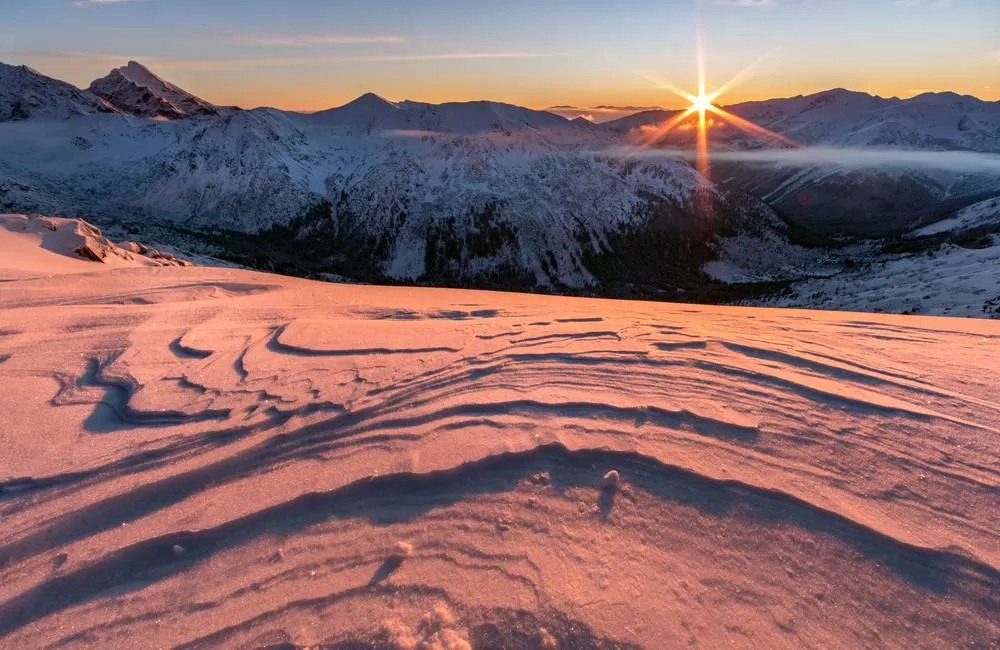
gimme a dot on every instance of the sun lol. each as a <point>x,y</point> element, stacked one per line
<point>702,102</point>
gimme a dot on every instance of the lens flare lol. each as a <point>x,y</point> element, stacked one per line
<point>701,104</point>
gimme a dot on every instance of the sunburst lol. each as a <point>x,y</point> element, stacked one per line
<point>703,103</point>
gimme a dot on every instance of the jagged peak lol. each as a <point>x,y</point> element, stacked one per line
<point>139,74</point>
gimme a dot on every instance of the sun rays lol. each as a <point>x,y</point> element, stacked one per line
<point>703,104</point>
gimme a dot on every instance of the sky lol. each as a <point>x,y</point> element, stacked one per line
<point>314,54</point>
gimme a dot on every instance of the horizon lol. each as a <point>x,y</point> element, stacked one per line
<point>307,56</point>
<point>596,114</point>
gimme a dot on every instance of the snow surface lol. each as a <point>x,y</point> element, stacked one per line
<point>36,245</point>
<point>984,213</point>
<point>217,458</point>
<point>843,118</point>
<point>952,281</point>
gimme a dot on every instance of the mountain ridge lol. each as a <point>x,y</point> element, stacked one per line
<point>486,193</point>
<point>136,90</point>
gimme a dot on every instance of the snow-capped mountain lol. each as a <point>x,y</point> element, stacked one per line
<point>25,93</point>
<point>401,204</point>
<point>844,118</point>
<point>370,112</point>
<point>982,215</point>
<point>464,193</point>
<point>872,201</point>
<point>135,90</point>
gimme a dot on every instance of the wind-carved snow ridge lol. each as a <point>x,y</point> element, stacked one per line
<point>299,462</point>
<point>38,245</point>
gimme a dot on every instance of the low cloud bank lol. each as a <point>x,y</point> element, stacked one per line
<point>952,161</point>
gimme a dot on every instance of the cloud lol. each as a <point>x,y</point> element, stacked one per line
<point>87,59</point>
<point>414,133</point>
<point>603,113</point>
<point>91,3</point>
<point>302,40</point>
<point>953,161</point>
<point>922,3</point>
<point>743,3</point>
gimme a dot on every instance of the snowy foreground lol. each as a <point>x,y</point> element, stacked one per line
<point>209,457</point>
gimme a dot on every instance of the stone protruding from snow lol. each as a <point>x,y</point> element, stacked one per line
<point>401,551</point>
<point>135,90</point>
<point>61,245</point>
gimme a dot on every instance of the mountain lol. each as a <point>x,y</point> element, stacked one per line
<point>482,194</point>
<point>984,215</point>
<point>135,90</point>
<point>873,201</point>
<point>525,207</point>
<point>25,94</point>
<point>844,118</point>
<point>370,112</point>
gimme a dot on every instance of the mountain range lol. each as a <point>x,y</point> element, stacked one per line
<point>486,193</point>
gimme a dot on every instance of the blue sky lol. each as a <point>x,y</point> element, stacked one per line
<point>310,54</point>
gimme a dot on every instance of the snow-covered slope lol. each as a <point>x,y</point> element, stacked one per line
<point>33,245</point>
<point>135,90</point>
<point>371,112</point>
<point>476,192</point>
<point>27,94</point>
<point>214,458</point>
<point>873,200</point>
<point>952,280</point>
<point>985,214</point>
<point>844,118</point>
<point>458,192</point>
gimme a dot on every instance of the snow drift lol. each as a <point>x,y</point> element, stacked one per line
<point>204,457</point>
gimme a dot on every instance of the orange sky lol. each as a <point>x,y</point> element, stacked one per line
<point>312,54</point>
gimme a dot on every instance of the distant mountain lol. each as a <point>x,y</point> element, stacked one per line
<point>373,112</point>
<point>868,202</point>
<point>25,93</point>
<point>479,193</point>
<point>844,118</point>
<point>135,90</point>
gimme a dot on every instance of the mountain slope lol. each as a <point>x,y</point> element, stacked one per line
<point>135,90</point>
<point>844,118</point>
<point>472,193</point>
<point>373,112</point>
<point>27,94</point>
<point>872,200</point>
<point>459,193</point>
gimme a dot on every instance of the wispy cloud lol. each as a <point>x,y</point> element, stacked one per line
<point>954,161</point>
<point>604,113</point>
<point>302,40</point>
<point>743,3</point>
<point>923,3</point>
<point>91,3</point>
<point>87,59</point>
